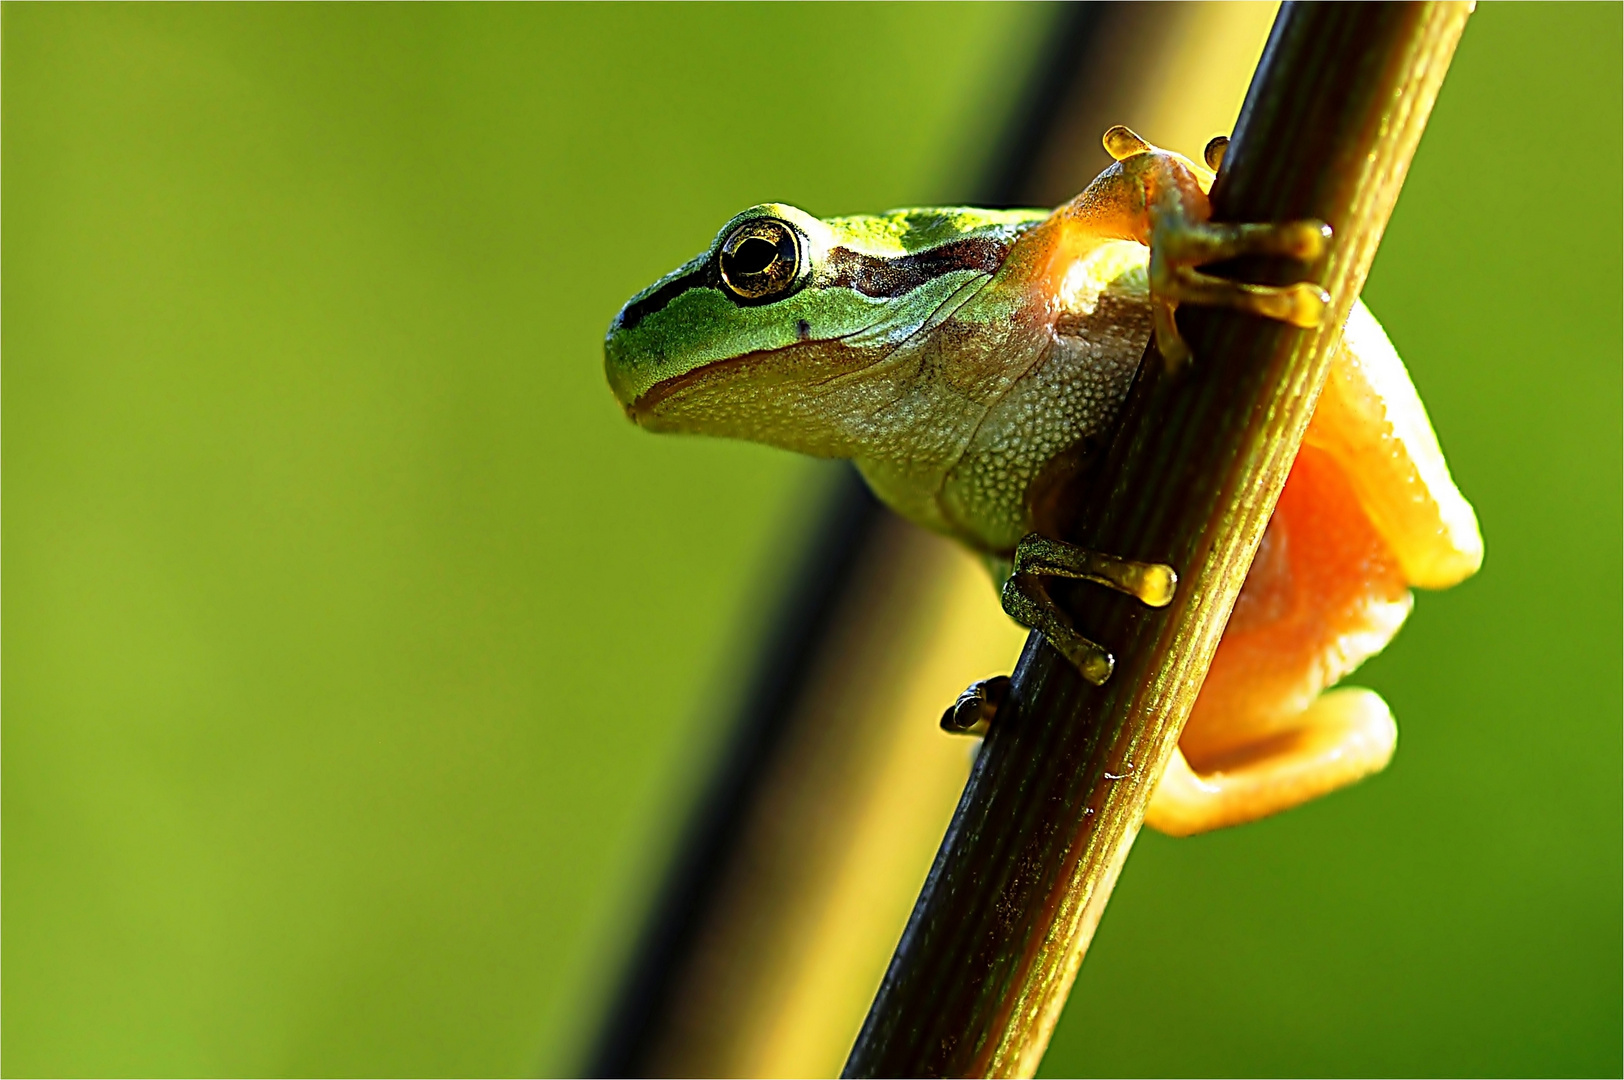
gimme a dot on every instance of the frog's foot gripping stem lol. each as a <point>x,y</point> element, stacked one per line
<point>1182,238</point>
<point>977,707</point>
<point>1027,600</point>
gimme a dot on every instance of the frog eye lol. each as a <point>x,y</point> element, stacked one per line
<point>761,260</point>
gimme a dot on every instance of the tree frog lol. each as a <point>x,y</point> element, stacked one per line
<point>972,364</point>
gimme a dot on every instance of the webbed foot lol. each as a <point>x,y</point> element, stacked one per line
<point>1027,600</point>
<point>1150,583</point>
<point>1182,238</point>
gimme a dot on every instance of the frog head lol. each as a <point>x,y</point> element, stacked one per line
<point>781,330</point>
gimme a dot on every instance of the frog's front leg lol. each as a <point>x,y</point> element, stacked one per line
<point>1026,599</point>
<point>1160,199</point>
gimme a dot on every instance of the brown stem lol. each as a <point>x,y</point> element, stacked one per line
<point>1058,793</point>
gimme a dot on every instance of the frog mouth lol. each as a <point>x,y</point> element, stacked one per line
<point>659,407</point>
<point>644,410</point>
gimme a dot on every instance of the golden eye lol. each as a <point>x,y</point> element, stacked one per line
<point>761,260</point>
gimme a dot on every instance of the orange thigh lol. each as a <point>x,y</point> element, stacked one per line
<point>1324,593</point>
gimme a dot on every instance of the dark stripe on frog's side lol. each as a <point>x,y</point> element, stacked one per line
<point>638,310</point>
<point>872,275</point>
<point>902,274</point>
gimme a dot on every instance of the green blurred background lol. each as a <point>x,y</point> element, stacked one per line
<point>361,661</point>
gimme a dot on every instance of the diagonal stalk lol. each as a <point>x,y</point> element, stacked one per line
<point>1058,793</point>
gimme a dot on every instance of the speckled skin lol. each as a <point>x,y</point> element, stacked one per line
<point>1050,421</point>
<point>973,424</point>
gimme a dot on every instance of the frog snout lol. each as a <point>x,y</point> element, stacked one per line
<point>619,370</point>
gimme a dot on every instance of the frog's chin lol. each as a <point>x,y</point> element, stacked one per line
<point>670,404</point>
<point>778,397</point>
<point>650,420</point>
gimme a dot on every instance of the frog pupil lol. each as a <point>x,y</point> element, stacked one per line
<point>754,255</point>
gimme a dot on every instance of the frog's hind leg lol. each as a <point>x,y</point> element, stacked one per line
<point>1369,511</point>
<point>1344,736</point>
<point>1324,593</point>
<point>1371,422</point>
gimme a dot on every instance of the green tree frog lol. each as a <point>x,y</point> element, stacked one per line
<point>972,364</point>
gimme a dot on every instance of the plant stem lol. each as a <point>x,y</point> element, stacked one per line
<point>1058,793</point>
